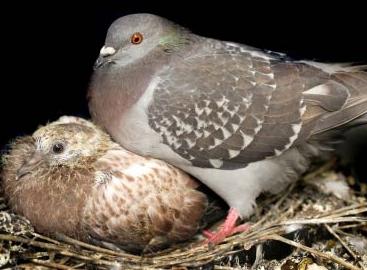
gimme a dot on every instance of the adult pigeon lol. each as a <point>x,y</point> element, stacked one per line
<point>71,178</point>
<point>241,120</point>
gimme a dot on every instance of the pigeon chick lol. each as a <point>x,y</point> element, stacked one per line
<point>71,178</point>
<point>241,120</point>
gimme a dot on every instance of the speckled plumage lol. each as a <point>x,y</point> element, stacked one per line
<point>96,190</point>
<point>241,120</point>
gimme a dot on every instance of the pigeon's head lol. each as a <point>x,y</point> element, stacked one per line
<point>63,144</point>
<point>133,37</point>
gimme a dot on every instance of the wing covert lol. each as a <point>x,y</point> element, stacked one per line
<point>228,109</point>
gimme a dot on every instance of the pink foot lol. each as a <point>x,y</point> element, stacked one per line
<point>226,229</point>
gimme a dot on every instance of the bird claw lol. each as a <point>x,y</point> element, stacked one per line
<point>226,229</point>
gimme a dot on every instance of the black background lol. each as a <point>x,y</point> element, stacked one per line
<point>49,49</point>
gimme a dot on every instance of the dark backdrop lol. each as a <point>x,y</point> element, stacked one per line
<point>49,49</point>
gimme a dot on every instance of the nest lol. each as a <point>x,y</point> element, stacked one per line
<point>305,228</point>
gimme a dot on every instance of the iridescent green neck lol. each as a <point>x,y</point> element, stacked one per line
<point>175,39</point>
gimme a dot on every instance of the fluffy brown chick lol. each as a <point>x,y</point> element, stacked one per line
<point>70,177</point>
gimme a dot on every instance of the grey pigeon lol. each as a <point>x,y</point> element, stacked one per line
<point>241,120</point>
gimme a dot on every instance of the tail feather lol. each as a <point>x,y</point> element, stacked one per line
<point>360,121</point>
<point>358,67</point>
<point>332,68</point>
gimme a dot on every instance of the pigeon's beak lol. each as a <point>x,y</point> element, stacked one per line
<point>29,165</point>
<point>103,57</point>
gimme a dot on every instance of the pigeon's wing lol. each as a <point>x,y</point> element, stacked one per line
<point>233,107</point>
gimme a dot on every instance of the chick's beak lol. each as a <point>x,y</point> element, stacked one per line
<point>103,57</point>
<point>29,165</point>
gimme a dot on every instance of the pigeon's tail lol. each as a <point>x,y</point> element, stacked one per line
<point>354,133</point>
<point>338,67</point>
<point>360,121</point>
<point>356,67</point>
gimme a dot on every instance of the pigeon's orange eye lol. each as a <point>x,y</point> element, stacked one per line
<point>136,38</point>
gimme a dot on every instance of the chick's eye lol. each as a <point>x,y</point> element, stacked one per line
<point>136,38</point>
<point>58,148</point>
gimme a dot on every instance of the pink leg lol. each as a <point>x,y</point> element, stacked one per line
<point>226,229</point>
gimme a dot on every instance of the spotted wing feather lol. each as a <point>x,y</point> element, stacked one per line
<point>231,107</point>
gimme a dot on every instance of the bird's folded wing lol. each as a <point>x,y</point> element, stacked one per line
<point>230,109</point>
<point>354,110</point>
